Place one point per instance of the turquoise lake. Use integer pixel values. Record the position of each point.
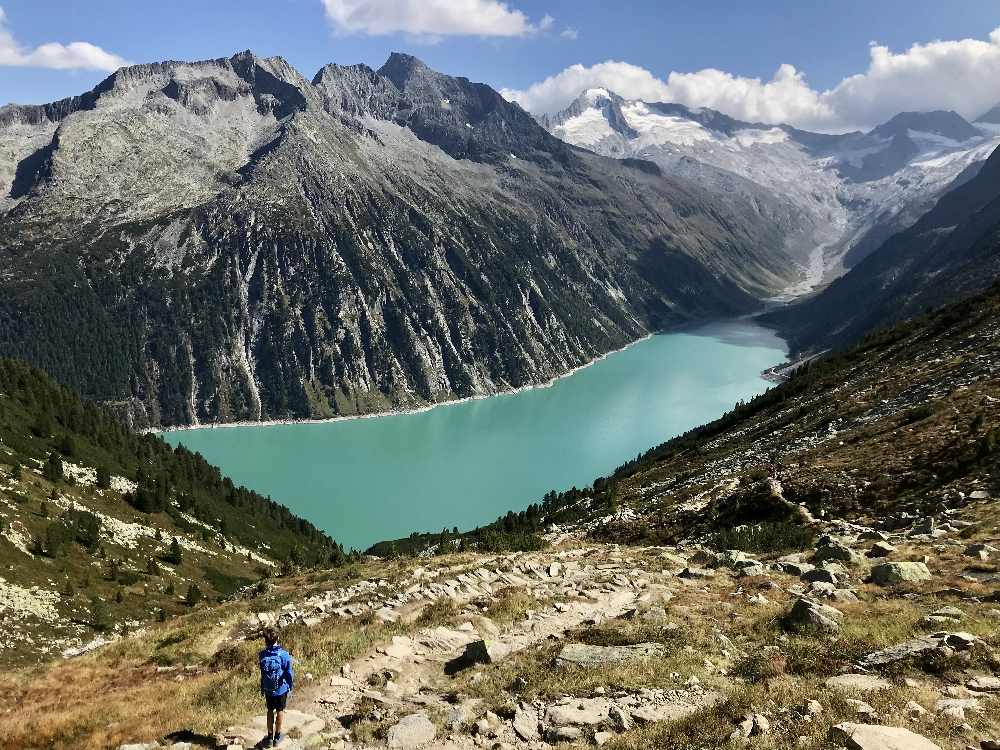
(464, 464)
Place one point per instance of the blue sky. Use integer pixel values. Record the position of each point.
(518, 44)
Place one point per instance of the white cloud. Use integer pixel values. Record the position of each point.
(963, 75)
(569, 33)
(432, 18)
(74, 56)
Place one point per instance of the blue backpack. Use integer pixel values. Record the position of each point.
(272, 672)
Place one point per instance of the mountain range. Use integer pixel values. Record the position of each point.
(225, 240)
(850, 192)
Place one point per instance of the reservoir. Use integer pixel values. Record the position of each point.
(465, 464)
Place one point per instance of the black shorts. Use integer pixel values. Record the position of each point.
(276, 702)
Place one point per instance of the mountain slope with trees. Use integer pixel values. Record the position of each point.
(103, 530)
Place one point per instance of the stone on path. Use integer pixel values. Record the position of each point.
(584, 655)
(861, 683)
(875, 737)
(297, 722)
(412, 731)
(400, 648)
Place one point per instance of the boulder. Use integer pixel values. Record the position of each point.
(984, 684)
(893, 573)
(929, 646)
(579, 712)
(860, 683)
(584, 655)
(980, 551)
(874, 737)
(793, 567)
(881, 549)
(697, 573)
(820, 575)
(400, 648)
(955, 708)
(564, 734)
(485, 652)
(412, 731)
(833, 550)
(807, 613)
(526, 723)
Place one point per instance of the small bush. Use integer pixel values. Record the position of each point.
(493, 541)
(760, 665)
(764, 537)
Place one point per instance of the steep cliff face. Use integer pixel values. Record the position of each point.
(225, 240)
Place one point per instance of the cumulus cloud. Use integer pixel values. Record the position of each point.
(74, 56)
(432, 18)
(963, 75)
(570, 33)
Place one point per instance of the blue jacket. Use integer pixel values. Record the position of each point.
(286, 669)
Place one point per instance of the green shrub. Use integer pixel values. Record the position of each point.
(764, 537)
(493, 541)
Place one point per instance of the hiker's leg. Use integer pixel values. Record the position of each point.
(270, 722)
(277, 722)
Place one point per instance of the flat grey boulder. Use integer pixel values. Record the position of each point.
(875, 737)
(807, 613)
(584, 655)
(578, 712)
(859, 683)
(412, 731)
(890, 574)
(698, 574)
(934, 645)
(984, 684)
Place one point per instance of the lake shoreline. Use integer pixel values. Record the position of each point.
(414, 410)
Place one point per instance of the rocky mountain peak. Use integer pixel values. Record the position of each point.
(402, 68)
(948, 124)
(356, 90)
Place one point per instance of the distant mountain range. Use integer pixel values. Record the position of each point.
(226, 240)
(850, 192)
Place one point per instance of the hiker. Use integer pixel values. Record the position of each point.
(275, 684)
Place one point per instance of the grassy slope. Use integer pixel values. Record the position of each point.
(229, 536)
